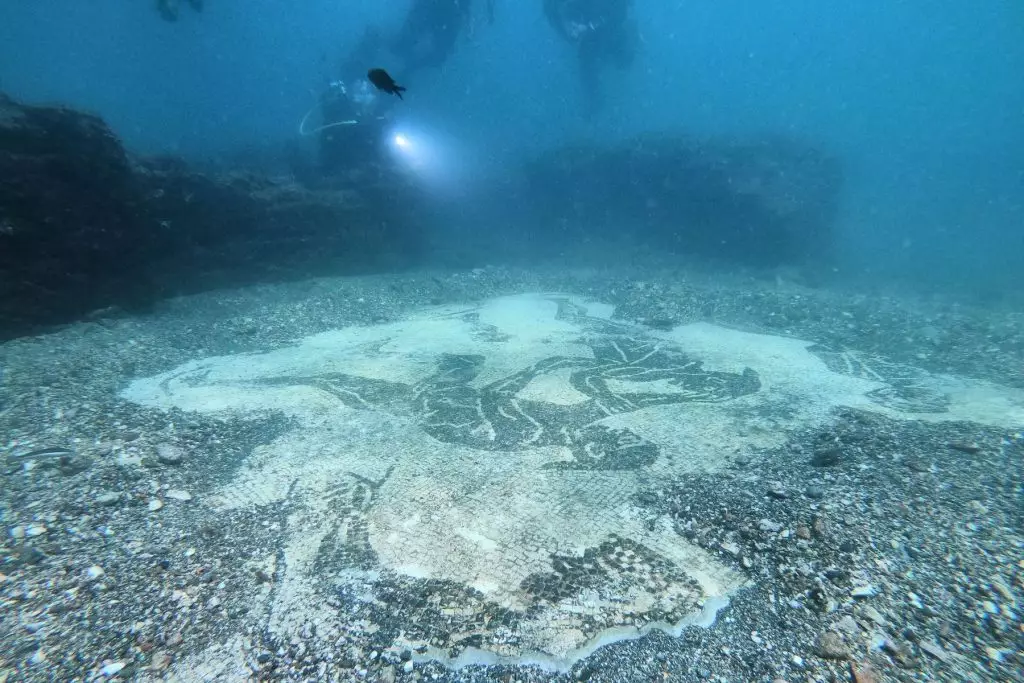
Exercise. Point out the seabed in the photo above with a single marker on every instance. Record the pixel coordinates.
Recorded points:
(517, 475)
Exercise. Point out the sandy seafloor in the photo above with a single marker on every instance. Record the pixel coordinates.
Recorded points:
(866, 546)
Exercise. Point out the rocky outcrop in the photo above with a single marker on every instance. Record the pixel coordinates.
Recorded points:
(86, 226)
(767, 202)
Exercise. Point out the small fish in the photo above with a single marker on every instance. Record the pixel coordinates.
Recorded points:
(383, 81)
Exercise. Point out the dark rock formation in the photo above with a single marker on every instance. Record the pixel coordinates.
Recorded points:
(84, 226)
(764, 203)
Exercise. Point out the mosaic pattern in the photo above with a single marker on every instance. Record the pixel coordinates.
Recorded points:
(905, 388)
(466, 480)
(495, 417)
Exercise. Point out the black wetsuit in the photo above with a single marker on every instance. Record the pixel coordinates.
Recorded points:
(601, 32)
(430, 32)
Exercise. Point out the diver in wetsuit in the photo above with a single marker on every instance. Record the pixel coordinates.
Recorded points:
(602, 33)
(354, 119)
(429, 34)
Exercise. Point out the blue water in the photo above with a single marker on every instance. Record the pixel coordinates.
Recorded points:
(923, 101)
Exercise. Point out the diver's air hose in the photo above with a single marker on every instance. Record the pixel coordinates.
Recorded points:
(302, 125)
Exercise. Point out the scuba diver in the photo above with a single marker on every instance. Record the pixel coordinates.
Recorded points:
(353, 125)
(169, 9)
(602, 33)
(430, 32)
(354, 115)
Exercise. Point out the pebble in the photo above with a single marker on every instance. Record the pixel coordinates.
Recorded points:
(407, 667)
(777, 491)
(155, 504)
(35, 530)
(94, 572)
(112, 669)
(934, 649)
(161, 660)
(826, 457)
(731, 548)
(814, 491)
(169, 454)
(1000, 587)
(863, 591)
(874, 615)
(995, 654)
(17, 532)
(863, 673)
(108, 499)
(177, 494)
(831, 646)
(769, 526)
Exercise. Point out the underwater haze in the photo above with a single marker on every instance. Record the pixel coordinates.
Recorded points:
(478, 341)
(922, 101)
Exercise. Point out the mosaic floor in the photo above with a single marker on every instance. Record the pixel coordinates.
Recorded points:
(476, 469)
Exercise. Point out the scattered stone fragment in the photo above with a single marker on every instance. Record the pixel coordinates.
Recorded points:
(731, 548)
(999, 586)
(968, 448)
(898, 652)
(777, 491)
(769, 526)
(996, 654)
(826, 457)
(847, 625)
(177, 494)
(17, 532)
(865, 591)
(819, 526)
(109, 499)
(935, 650)
(35, 530)
(169, 454)
(863, 673)
(155, 504)
(874, 615)
(160, 661)
(94, 572)
(112, 669)
(916, 464)
(803, 532)
(831, 646)
(814, 491)
(407, 667)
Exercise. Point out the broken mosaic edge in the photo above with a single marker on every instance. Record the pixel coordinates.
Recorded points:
(473, 656)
